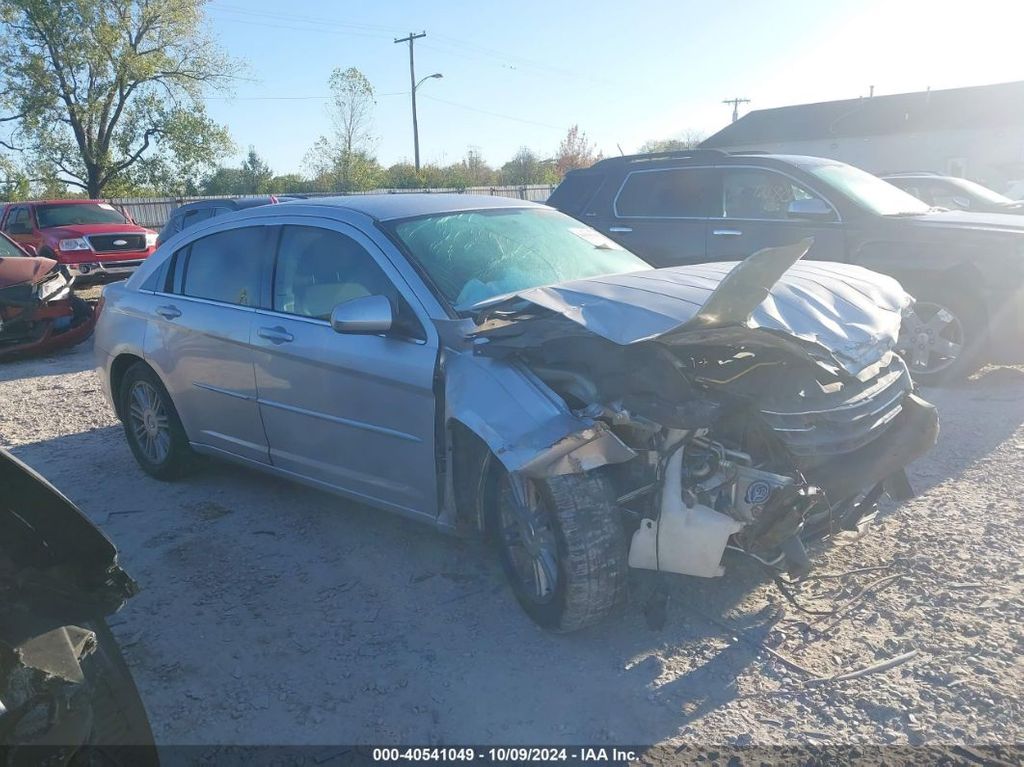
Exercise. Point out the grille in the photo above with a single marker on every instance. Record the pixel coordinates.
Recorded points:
(110, 243)
(845, 421)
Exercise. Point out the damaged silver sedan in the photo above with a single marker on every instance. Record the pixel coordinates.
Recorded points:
(493, 366)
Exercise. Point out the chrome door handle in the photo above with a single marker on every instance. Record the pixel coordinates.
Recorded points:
(168, 312)
(620, 229)
(727, 233)
(276, 335)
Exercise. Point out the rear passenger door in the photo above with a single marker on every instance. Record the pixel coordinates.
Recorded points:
(661, 214)
(754, 213)
(198, 334)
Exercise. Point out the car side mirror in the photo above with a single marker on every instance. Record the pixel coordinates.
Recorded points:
(811, 209)
(30, 249)
(368, 315)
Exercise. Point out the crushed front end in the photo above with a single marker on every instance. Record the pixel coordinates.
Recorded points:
(746, 435)
(38, 310)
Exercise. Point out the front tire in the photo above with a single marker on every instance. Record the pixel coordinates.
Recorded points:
(562, 546)
(151, 425)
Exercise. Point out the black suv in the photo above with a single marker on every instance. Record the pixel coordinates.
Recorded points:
(192, 213)
(965, 269)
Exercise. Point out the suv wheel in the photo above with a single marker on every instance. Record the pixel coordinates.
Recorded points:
(151, 424)
(941, 339)
(562, 546)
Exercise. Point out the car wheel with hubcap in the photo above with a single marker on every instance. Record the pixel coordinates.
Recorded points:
(151, 424)
(940, 338)
(562, 546)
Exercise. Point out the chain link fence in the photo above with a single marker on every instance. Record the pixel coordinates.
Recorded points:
(153, 212)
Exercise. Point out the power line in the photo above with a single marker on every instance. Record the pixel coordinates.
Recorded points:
(494, 114)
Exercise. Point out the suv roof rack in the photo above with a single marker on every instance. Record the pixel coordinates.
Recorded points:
(677, 154)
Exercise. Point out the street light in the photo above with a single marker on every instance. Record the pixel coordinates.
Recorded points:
(415, 125)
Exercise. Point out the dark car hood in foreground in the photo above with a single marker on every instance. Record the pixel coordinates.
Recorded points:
(57, 549)
(852, 312)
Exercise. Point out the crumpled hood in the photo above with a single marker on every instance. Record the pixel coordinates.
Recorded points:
(852, 312)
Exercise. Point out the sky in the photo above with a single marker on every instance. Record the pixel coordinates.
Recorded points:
(521, 73)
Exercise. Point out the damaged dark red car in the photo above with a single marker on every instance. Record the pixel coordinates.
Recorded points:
(39, 313)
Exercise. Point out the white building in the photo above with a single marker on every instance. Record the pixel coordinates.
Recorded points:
(973, 132)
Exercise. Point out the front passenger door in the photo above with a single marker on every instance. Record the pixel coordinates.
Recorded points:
(352, 412)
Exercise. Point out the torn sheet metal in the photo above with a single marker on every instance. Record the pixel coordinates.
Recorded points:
(528, 428)
(850, 311)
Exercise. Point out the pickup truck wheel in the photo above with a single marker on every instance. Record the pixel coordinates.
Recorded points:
(562, 546)
(151, 424)
(942, 340)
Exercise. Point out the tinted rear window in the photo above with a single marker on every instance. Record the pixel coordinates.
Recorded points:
(575, 191)
(226, 266)
(670, 193)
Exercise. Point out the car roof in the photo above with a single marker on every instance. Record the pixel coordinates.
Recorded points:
(384, 207)
(236, 203)
(715, 156)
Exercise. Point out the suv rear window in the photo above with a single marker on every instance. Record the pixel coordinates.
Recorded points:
(669, 193)
(575, 191)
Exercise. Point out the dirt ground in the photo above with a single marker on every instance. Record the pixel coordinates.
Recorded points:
(274, 614)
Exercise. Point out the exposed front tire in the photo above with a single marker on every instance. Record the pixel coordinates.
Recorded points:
(943, 339)
(561, 543)
(151, 425)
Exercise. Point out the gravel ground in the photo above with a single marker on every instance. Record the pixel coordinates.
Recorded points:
(272, 614)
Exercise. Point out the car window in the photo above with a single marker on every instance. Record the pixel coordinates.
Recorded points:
(194, 216)
(759, 194)
(70, 214)
(225, 266)
(17, 220)
(8, 249)
(317, 269)
(671, 193)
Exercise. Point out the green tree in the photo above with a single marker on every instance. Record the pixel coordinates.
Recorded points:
(476, 170)
(256, 174)
(526, 168)
(105, 91)
(403, 175)
(688, 139)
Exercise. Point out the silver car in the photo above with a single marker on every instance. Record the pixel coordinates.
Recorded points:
(492, 366)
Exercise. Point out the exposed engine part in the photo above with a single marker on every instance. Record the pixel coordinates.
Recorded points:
(686, 539)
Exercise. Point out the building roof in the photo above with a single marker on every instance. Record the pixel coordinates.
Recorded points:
(953, 109)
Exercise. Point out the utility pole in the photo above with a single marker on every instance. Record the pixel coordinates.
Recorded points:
(736, 107)
(412, 85)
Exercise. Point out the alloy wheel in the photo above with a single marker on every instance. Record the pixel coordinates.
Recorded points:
(529, 541)
(149, 421)
(932, 339)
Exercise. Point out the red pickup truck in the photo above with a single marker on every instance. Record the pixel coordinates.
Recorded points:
(91, 238)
